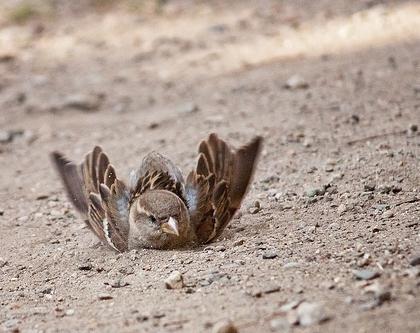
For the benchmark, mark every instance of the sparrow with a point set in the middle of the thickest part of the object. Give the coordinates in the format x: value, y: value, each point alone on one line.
x: 157, y: 208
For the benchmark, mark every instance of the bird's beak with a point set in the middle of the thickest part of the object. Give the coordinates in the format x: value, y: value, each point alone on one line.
x: 170, y: 227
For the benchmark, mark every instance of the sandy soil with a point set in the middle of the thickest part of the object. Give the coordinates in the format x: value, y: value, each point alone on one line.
x: 334, y: 88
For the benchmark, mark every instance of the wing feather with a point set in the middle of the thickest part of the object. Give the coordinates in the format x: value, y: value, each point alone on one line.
x: 216, y: 187
x: 99, y: 195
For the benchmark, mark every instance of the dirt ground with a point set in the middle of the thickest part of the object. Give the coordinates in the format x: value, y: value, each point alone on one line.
x: 332, y: 86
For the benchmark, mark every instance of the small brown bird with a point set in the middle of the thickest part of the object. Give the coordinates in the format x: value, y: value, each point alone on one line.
x: 158, y: 209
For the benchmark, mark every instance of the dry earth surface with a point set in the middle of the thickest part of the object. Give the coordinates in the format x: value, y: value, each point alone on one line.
x: 334, y: 88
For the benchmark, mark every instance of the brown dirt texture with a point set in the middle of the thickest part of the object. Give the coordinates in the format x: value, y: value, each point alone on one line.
x: 333, y: 86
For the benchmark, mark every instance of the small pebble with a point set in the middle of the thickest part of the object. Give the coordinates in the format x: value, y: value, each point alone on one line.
x: 82, y: 102
x: 342, y: 208
x: 69, y: 312
x: 174, y: 281
x: 291, y: 264
x: 311, y: 313
x: 6, y: 136
x: 280, y: 325
x: 225, y: 326
x: 369, y: 187
x: 388, y: 214
x: 415, y: 261
x: 118, y: 284
x: 296, y: 82
x: 86, y: 266
x: 239, y: 242
x: 3, y: 262
x: 188, y: 108
x: 365, y: 274
x: 269, y: 255
x: 104, y: 297
x: 413, y: 128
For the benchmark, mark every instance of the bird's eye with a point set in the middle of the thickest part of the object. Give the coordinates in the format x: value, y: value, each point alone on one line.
x: 152, y: 218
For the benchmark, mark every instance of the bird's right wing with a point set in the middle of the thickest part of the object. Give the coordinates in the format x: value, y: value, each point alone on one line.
x: 98, y: 195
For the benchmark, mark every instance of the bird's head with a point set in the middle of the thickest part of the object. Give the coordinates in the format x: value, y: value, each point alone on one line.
x: 158, y: 218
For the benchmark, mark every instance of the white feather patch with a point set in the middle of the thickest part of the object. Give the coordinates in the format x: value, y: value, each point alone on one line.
x: 106, y: 232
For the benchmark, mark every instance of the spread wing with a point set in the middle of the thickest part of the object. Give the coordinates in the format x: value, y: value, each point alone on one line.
x: 215, y: 189
x: 97, y: 193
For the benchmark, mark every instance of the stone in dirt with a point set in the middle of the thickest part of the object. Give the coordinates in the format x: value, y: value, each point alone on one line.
x: 296, y: 82
x: 82, y: 102
x: 187, y: 108
x: 225, y: 326
x: 174, y: 281
x: 415, y: 260
x: 104, y: 297
x: 365, y: 274
x: 311, y: 313
x: 280, y: 325
x: 85, y: 266
x: 269, y: 255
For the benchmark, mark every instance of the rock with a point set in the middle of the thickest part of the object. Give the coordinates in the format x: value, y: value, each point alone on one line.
x: 354, y: 119
x: 153, y: 125
x: 253, y: 210
x: 256, y: 207
x: 3, y: 262
x: 174, y: 281
x: 118, y: 283
x: 313, y: 192
x: 296, y: 82
x: 12, y: 324
x: 1, y: 212
x: 382, y: 207
x: 381, y: 295
x: 369, y: 187
x: 388, y: 214
x: 82, y: 102
x: 291, y: 264
x: 126, y: 270
x: 311, y: 313
x: 329, y: 168
x: 269, y: 255
x: 290, y: 306
x: 412, y: 272
x: 413, y: 128
x: 365, y: 274
x: 7, y: 56
x: 23, y: 219
x: 415, y: 261
x: 219, y: 28
x: 86, y: 266
x: 29, y: 137
x: 342, y: 208
x: 239, y: 242
x: 188, y: 108
x: 69, y: 312
x: 280, y: 325
x: 366, y: 260
x: 104, y: 297
x: 6, y: 136
x: 225, y: 326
